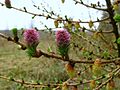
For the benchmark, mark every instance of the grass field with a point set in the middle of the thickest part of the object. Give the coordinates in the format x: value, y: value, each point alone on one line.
x: 15, y: 63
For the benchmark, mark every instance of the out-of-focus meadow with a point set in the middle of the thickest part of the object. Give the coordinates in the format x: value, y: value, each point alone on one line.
x: 16, y: 64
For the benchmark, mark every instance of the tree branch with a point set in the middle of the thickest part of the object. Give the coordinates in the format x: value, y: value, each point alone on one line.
x: 38, y: 85
x: 29, y: 83
x: 12, y: 40
x: 80, y: 2
x: 41, y: 53
x: 114, y: 72
x: 50, y: 17
x: 115, y: 28
x: 93, y: 44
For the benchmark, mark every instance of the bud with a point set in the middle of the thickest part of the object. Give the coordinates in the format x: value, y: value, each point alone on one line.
x: 59, y: 19
x: 115, y: 7
x: 70, y: 70
x: 97, y: 67
x: 92, y: 84
x: 8, y: 3
x: 56, y: 23
x: 117, y: 17
x: 19, y: 47
x: 74, y: 88
x: 69, y: 24
x: 110, y: 85
x: 64, y: 86
x: 63, y: 41
x: 31, y: 37
x: 90, y: 24
x: 15, y: 33
x: 77, y: 25
x: 62, y: 1
x: 95, y: 35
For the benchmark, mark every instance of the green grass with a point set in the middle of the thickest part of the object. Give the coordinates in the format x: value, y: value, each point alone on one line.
x: 15, y: 63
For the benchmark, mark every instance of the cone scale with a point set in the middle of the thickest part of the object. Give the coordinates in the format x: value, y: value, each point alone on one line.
x: 31, y: 38
x: 8, y: 3
x: 63, y: 42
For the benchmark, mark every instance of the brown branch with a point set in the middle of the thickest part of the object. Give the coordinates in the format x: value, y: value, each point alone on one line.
x: 41, y: 53
x: 80, y: 2
x: 101, y: 85
x: 50, y: 17
x: 114, y: 73
x: 115, y: 28
x: 93, y: 44
x: 107, y: 42
x: 29, y: 83
x: 102, y: 20
x: 12, y: 40
x: 93, y: 31
x: 86, y: 29
x: 38, y: 85
x: 115, y: 61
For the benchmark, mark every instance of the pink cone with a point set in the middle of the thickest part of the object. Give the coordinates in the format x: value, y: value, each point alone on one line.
x: 31, y: 37
x: 62, y: 38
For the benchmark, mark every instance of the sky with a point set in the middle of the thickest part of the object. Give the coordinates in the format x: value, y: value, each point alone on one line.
x: 10, y: 18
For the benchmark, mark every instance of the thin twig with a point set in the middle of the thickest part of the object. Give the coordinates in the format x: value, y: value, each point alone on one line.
x: 12, y: 40
x: 38, y: 85
x: 114, y: 73
x: 42, y: 53
x: 102, y: 9
x: 29, y: 83
x: 48, y: 16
